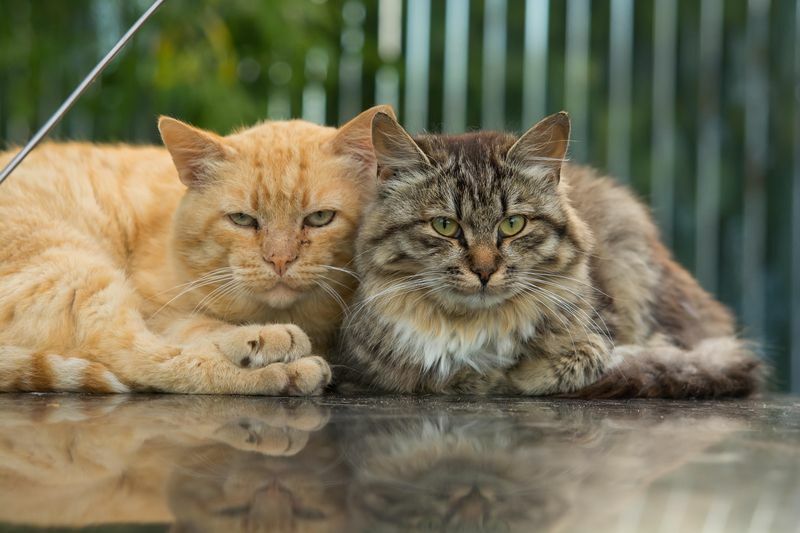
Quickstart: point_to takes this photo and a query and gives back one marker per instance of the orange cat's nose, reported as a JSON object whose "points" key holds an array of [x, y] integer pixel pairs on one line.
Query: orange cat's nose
{"points": [[281, 263]]}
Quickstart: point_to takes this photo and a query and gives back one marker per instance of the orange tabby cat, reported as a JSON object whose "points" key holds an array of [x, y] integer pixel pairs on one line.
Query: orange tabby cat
{"points": [[115, 275]]}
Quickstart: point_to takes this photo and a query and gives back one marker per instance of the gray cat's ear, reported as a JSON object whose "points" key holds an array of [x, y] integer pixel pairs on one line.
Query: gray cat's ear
{"points": [[354, 139], [394, 147], [542, 146], [194, 152]]}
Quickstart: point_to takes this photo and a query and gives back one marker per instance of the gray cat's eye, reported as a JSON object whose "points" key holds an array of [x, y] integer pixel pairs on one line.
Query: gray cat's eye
{"points": [[512, 225], [241, 219], [446, 227]]}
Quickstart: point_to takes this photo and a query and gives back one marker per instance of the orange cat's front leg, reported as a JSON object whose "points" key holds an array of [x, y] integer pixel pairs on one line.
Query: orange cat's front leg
{"points": [[250, 346]]}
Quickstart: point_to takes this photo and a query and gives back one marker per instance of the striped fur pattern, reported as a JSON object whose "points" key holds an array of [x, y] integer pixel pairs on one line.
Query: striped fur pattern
{"points": [[122, 268], [585, 294]]}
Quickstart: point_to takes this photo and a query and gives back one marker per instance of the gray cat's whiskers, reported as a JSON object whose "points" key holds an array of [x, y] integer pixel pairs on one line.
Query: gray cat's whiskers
{"points": [[582, 317], [581, 298], [559, 301], [406, 283], [585, 284], [529, 291]]}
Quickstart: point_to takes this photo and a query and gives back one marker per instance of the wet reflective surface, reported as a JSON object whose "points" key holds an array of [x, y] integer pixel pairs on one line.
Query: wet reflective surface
{"points": [[172, 463]]}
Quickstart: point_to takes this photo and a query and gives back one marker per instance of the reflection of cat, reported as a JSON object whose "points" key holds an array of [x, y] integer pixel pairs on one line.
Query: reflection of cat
{"points": [[543, 467], [186, 269], [219, 488], [67, 461]]}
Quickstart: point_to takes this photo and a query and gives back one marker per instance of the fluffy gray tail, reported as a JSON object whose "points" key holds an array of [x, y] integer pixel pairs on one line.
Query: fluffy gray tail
{"points": [[714, 368]]}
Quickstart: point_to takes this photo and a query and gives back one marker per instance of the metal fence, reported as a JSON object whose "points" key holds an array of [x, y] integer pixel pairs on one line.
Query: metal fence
{"points": [[693, 103]]}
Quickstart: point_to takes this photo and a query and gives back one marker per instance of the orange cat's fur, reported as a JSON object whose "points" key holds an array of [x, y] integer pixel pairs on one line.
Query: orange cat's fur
{"points": [[115, 275]]}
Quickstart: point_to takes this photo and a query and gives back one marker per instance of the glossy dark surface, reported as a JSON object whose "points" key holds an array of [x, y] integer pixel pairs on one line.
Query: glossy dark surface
{"points": [[158, 463]]}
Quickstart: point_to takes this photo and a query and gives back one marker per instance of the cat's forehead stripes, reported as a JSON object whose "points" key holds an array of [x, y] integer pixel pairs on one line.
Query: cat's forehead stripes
{"points": [[286, 164], [471, 176]]}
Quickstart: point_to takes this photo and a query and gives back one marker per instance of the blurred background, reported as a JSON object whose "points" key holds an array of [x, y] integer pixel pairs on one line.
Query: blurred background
{"points": [[694, 103]]}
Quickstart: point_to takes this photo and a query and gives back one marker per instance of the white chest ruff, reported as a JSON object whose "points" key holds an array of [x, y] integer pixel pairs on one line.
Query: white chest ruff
{"points": [[447, 352]]}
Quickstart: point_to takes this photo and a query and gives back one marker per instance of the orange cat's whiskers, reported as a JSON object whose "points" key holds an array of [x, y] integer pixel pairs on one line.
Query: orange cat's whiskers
{"points": [[330, 291], [208, 275], [204, 281], [331, 280], [215, 295], [343, 270]]}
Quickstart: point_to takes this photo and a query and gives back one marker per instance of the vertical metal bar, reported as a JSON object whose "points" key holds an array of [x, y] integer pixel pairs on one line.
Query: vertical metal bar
{"points": [[756, 138], [619, 90], [665, 27], [390, 42], [534, 89], [795, 327], [576, 85], [418, 37], [351, 61], [493, 83], [456, 54], [709, 146]]}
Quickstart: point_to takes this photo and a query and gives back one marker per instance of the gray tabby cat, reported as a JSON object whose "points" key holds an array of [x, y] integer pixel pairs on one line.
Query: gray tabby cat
{"points": [[489, 265]]}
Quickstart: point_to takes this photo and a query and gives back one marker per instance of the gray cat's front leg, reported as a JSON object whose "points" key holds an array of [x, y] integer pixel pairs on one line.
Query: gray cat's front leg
{"points": [[561, 367]]}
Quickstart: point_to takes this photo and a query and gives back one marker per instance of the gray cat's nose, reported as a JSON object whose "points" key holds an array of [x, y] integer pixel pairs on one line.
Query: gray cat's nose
{"points": [[484, 272], [483, 262]]}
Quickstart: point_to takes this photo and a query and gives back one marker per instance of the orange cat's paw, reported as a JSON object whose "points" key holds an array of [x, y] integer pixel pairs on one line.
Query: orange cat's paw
{"points": [[258, 346], [308, 376]]}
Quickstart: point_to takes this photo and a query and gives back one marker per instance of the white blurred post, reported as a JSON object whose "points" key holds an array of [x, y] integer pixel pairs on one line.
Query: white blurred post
{"points": [[534, 88], [795, 274], [351, 60], [390, 42], [418, 36], [756, 118], [709, 145], [619, 90], [314, 96], [493, 82], [576, 89], [665, 28], [456, 66]]}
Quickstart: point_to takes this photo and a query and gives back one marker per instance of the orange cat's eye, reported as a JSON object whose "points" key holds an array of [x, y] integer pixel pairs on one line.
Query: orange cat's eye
{"points": [[318, 219], [241, 219]]}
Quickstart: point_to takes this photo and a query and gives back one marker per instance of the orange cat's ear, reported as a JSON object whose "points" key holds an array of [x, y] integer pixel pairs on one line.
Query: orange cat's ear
{"points": [[544, 145], [394, 147], [194, 152], [354, 139]]}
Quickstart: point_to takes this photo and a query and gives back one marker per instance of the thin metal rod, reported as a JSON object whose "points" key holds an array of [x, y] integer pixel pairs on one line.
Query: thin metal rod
{"points": [[79, 90]]}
